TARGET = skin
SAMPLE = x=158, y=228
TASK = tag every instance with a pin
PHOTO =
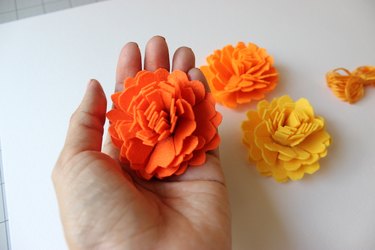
x=104, y=206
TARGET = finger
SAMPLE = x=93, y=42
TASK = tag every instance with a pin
x=183, y=59
x=157, y=54
x=129, y=63
x=85, y=131
x=110, y=149
x=196, y=74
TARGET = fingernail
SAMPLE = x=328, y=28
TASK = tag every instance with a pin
x=132, y=43
x=159, y=36
x=91, y=81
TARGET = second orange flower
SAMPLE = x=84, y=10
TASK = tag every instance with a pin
x=240, y=74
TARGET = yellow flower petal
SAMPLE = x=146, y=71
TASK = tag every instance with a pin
x=269, y=156
x=263, y=168
x=255, y=153
x=301, y=154
x=284, y=157
x=261, y=131
x=304, y=104
x=284, y=100
x=279, y=174
x=293, y=120
x=291, y=165
x=310, y=169
x=281, y=149
x=323, y=154
x=296, y=175
x=315, y=142
x=312, y=159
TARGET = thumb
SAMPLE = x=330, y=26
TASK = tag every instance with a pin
x=85, y=131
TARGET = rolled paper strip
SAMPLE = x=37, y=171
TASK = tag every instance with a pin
x=349, y=86
x=163, y=122
x=285, y=139
x=239, y=74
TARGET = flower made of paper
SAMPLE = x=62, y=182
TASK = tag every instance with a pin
x=240, y=74
x=285, y=139
x=162, y=122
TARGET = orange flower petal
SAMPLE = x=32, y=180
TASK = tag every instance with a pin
x=199, y=90
x=125, y=98
x=162, y=156
x=198, y=159
x=114, y=98
x=165, y=172
x=124, y=130
x=185, y=128
x=214, y=143
x=217, y=119
x=144, y=78
x=190, y=143
x=182, y=169
x=115, y=137
x=142, y=173
x=188, y=95
x=137, y=152
x=154, y=96
x=116, y=114
x=161, y=74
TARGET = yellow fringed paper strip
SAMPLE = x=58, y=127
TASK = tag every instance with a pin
x=349, y=86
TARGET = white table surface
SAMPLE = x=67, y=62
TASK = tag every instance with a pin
x=46, y=61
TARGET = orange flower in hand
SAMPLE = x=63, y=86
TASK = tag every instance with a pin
x=162, y=122
x=240, y=74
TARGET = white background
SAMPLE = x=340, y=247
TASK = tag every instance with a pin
x=46, y=61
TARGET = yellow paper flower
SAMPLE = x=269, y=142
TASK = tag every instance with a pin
x=239, y=74
x=285, y=139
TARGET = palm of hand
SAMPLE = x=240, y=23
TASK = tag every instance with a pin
x=103, y=207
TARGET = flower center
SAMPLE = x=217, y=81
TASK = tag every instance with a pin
x=291, y=129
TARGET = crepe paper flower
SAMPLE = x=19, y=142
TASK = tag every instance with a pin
x=162, y=122
x=240, y=74
x=349, y=86
x=285, y=139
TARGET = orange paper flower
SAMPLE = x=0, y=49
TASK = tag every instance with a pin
x=349, y=86
x=240, y=74
x=285, y=139
x=163, y=122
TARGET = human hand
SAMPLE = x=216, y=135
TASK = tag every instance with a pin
x=103, y=205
